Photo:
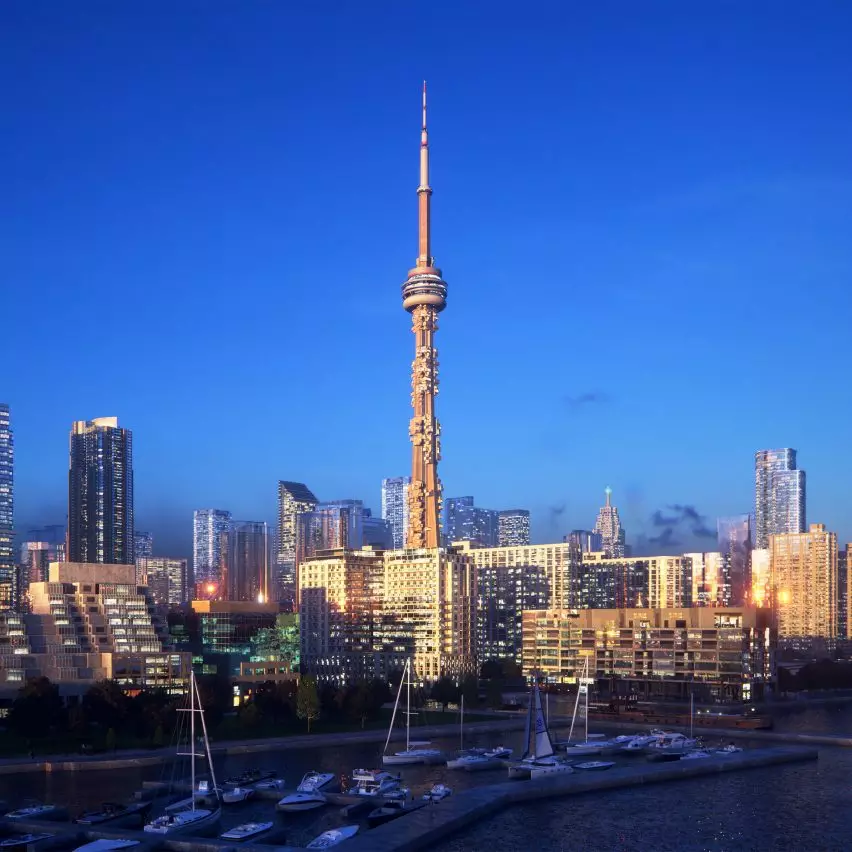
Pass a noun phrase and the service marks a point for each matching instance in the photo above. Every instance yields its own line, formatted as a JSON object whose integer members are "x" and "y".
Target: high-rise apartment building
{"x": 779, "y": 495}
{"x": 804, "y": 585}
{"x": 395, "y": 507}
{"x": 294, "y": 498}
{"x": 608, "y": 525}
{"x": 143, "y": 546}
{"x": 513, "y": 528}
{"x": 707, "y": 574}
{"x": 668, "y": 584}
{"x": 100, "y": 493}
{"x": 734, "y": 542}
{"x": 8, "y": 572}
{"x": 843, "y": 592}
{"x": 167, "y": 579}
{"x": 246, "y": 555}
{"x": 378, "y": 532}
{"x": 613, "y": 583}
{"x": 208, "y": 528}
{"x": 761, "y": 577}
{"x": 465, "y": 522}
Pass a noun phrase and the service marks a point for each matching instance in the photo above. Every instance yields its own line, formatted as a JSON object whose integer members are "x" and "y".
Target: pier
{"x": 428, "y": 826}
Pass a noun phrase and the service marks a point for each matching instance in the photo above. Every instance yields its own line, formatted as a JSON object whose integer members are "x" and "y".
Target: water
{"x": 795, "y": 807}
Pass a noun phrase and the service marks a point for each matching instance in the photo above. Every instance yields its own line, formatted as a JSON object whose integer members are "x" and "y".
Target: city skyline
{"x": 697, "y": 227}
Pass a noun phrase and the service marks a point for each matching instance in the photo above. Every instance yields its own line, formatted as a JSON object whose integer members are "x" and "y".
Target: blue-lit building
{"x": 463, "y": 521}
{"x": 585, "y": 541}
{"x": 377, "y": 532}
{"x": 209, "y": 531}
{"x": 395, "y": 507}
{"x": 779, "y": 495}
{"x": 100, "y": 493}
{"x": 8, "y": 573}
{"x": 143, "y": 546}
{"x": 734, "y": 543}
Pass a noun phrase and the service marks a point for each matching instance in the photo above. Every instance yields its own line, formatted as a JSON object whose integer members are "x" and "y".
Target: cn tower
{"x": 424, "y": 296}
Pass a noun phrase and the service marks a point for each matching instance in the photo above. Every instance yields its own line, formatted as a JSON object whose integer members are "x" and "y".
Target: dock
{"x": 430, "y": 825}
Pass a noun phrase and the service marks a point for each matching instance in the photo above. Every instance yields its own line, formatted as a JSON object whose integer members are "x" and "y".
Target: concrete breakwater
{"x": 428, "y": 826}
{"x": 124, "y": 760}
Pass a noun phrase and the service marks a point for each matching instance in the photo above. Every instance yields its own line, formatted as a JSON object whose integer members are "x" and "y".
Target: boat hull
{"x": 555, "y": 769}
{"x": 208, "y": 822}
{"x": 302, "y": 805}
{"x": 237, "y": 836}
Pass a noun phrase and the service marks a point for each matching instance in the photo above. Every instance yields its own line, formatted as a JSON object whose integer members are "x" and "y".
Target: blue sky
{"x": 641, "y": 210}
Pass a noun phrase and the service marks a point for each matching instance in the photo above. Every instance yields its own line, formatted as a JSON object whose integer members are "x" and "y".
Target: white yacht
{"x": 539, "y": 759}
{"x": 638, "y": 743}
{"x": 246, "y": 831}
{"x": 36, "y": 812}
{"x": 373, "y": 782}
{"x": 308, "y": 794}
{"x": 192, "y": 819}
{"x": 412, "y": 753}
{"x": 237, "y": 794}
{"x": 107, "y": 845}
{"x": 333, "y": 837}
{"x": 437, "y": 792}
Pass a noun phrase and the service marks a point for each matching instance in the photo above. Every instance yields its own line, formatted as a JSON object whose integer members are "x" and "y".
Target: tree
{"x": 470, "y": 691}
{"x": 216, "y": 696}
{"x": 105, "y": 704}
{"x": 444, "y": 691}
{"x": 491, "y": 669}
{"x": 110, "y": 739}
{"x": 38, "y": 709}
{"x": 307, "y": 700}
{"x": 250, "y": 715}
{"x": 494, "y": 693}
{"x": 159, "y": 737}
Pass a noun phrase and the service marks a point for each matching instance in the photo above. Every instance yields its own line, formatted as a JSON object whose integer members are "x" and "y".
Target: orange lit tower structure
{"x": 424, "y": 296}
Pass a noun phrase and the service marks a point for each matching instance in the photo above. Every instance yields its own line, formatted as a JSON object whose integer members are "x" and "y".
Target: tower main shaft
{"x": 424, "y": 296}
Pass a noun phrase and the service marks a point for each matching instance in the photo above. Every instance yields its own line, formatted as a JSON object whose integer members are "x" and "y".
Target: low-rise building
{"x": 718, "y": 654}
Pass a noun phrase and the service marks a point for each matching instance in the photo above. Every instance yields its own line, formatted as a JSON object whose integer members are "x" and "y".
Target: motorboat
{"x": 542, "y": 768}
{"x": 671, "y": 743}
{"x": 581, "y": 749}
{"x": 697, "y": 754}
{"x": 202, "y": 792}
{"x": 118, "y": 815}
{"x": 272, "y": 784}
{"x": 107, "y": 845}
{"x": 308, "y": 794}
{"x": 24, "y": 841}
{"x": 250, "y": 776}
{"x": 37, "y": 811}
{"x": 498, "y": 753}
{"x": 637, "y": 744}
{"x": 473, "y": 762}
{"x": 463, "y": 756}
{"x": 437, "y": 793}
{"x": 414, "y": 751}
{"x": 662, "y": 756}
{"x": 235, "y": 795}
{"x": 595, "y": 765}
{"x": 392, "y": 810}
{"x": 333, "y": 837}
{"x": 246, "y": 831}
{"x": 373, "y": 782}
{"x": 192, "y": 819}
{"x": 728, "y": 749}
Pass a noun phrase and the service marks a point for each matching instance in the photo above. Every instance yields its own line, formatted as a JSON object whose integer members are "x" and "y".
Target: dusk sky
{"x": 642, "y": 212}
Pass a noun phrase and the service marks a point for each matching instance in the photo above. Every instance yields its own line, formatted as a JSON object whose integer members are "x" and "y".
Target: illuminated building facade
{"x": 227, "y": 628}
{"x": 395, "y": 507}
{"x": 668, "y": 583}
{"x": 91, "y": 622}
{"x": 761, "y": 577}
{"x": 465, "y": 522}
{"x": 294, "y": 498}
{"x": 734, "y": 541}
{"x": 143, "y": 544}
{"x": 513, "y": 528}
{"x": 707, "y": 574}
{"x": 503, "y": 593}
{"x": 719, "y": 654}
{"x": 608, "y": 526}
{"x": 167, "y": 579}
{"x": 8, "y": 574}
{"x": 209, "y": 526}
{"x": 100, "y": 493}
{"x": 803, "y": 569}
{"x": 779, "y": 495}
{"x": 612, "y": 583}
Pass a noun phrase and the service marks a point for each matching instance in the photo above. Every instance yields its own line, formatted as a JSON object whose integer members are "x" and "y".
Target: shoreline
{"x": 153, "y": 757}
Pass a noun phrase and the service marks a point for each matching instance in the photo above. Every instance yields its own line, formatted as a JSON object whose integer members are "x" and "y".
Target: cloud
{"x": 676, "y": 522}
{"x": 585, "y": 399}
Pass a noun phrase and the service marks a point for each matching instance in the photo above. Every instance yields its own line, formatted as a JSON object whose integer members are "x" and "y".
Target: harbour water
{"x": 795, "y": 807}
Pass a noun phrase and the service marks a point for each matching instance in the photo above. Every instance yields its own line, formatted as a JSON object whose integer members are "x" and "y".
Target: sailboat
{"x": 539, "y": 758}
{"x": 413, "y": 752}
{"x": 593, "y": 744}
{"x": 192, "y": 819}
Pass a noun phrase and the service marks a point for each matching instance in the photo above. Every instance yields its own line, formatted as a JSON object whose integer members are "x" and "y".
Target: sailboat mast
{"x": 408, "y": 705}
{"x": 691, "y": 712}
{"x": 461, "y": 725}
{"x": 206, "y": 742}
{"x": 192, "y": 732}
{"x": 395, "y": 707}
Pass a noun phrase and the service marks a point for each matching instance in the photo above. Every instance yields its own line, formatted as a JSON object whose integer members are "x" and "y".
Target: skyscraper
{"x": 246, "y": 561}
{"x": 424, "y": 296}
{"x": 293, "y": 499}
{"x": 586, "y": 541}
{"x": 779, "y": 495}
{"x": 803, "y": 567}
{"x": 608, "y": 525}
{"x": 167, "y": 579}
{"x": 143, "y": 546}
{"x": 466, "y": 522}
{"x": 395, "y": 507}
{"x": 208, "y": 527}
{"x": 8, "y": 574}
{"x": 734, "y": 538}
{"x": 513, "y": 528}
{"x": 100, "y": 492}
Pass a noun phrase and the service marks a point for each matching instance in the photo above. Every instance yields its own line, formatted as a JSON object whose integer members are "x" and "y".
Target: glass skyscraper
{"x": 734, "y": 537}
{"x": 208, "y": 528}
{"x": 779, "y": 495}
{"x": 143, "y": 544}
{"x": 395, "y": 507}
{"x": 608, "y": 525}
{"x": 465, "y": 522}
{"x": 513, "y": 528}
{"x": 8, "y": 574}
{"x": 294, "y": 498}
{"x": 246, "y": 561}
{"x": 100, "y": 493}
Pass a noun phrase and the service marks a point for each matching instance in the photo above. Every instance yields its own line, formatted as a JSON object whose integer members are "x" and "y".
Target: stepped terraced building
{"x": 89, "y": 622}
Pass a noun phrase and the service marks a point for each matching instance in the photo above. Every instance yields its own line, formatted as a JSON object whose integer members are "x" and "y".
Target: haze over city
{"x": 642, "y": 218}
